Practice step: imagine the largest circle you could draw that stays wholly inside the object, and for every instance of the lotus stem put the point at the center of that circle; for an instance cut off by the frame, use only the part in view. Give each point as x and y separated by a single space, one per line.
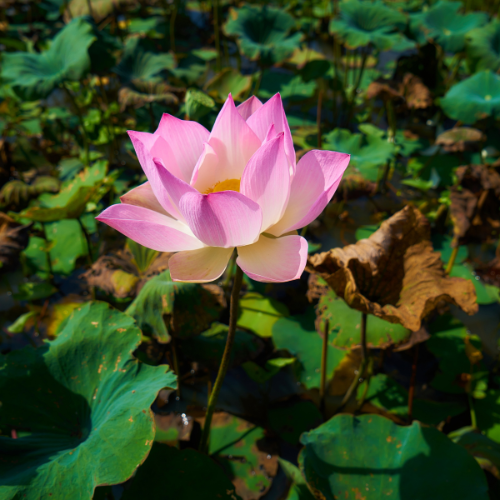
49 261
217 35
472 410
364 359
324 362
411 390
87 241
451 262
89 6
176 366
82 126
318 114
172 26
233 316
369 371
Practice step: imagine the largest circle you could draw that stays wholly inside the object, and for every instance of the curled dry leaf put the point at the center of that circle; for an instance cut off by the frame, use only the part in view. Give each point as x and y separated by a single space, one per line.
395 273
475 205
354 186
460 138
411 91
14 238
146 92
117 274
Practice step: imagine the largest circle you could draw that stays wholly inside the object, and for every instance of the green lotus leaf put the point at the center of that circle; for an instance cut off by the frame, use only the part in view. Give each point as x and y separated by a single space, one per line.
263 33
259 313
368 152
478 445
298 489
288 85
140 61
167 465
298 335
443 24
33 75
198 104
473 99
84 417
448 345
228 81
71 200
483 47
165 307
345 322
370 456
385 393
237 446
364 23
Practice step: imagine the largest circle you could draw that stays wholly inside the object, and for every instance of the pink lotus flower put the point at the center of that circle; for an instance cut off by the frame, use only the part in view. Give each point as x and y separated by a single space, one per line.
236 187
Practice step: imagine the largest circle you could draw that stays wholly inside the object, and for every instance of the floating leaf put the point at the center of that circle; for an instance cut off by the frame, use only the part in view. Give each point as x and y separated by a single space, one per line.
368 152
188 473
483 47
84 395
355 457
262 33
361 24
299 489
474 98
395 273
14 239
72 199
345 325
34 75
166 307
259 313
228 81
299 337
140 61
443 24
236 445
198 104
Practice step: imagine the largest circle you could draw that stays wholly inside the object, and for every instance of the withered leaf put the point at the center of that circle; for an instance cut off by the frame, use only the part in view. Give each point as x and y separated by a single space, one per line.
395 273
146 92
459 138
117 275
410 91
475 205
14 238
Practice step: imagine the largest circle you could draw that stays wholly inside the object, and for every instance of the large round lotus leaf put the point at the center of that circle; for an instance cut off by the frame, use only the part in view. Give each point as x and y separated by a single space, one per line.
33 75
368 152
443 24
483 47
345 325
80 406
298 335
372 457
263 33
473 99
363 23
165 307
185 475
140 61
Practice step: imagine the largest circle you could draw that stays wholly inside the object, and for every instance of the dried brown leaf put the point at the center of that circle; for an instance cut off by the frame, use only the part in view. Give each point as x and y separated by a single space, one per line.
395 273
416 94
475 205
460 138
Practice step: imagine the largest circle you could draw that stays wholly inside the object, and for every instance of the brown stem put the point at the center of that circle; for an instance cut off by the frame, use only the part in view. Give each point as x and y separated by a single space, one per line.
318 114
176 366
226 357
411 391
453 257
324 362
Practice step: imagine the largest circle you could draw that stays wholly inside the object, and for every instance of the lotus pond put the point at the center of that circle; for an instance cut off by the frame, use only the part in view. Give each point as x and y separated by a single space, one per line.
249 251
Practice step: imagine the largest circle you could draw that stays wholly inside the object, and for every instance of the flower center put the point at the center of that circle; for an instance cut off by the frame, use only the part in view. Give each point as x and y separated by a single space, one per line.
227 185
